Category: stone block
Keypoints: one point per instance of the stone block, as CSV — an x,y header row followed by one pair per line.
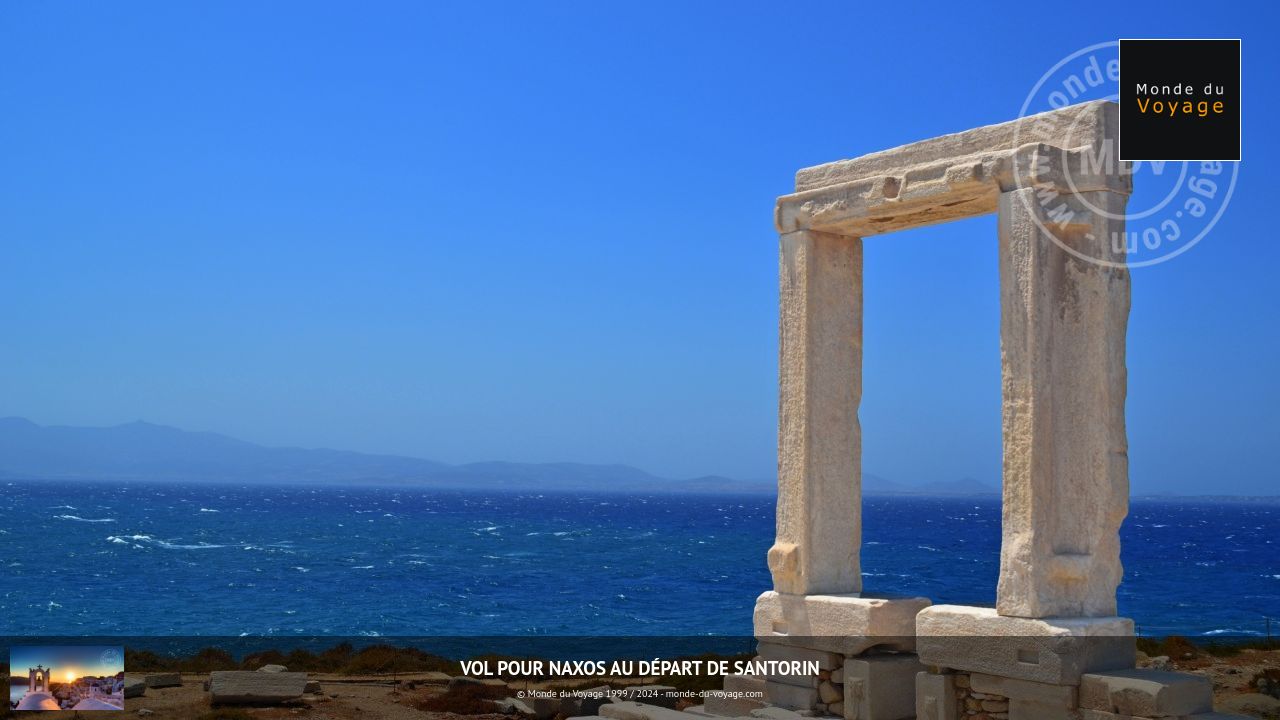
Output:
x,y
790,697
881,687
744,684
464,681
936,697
513,706
239,687
727,705
164,680
1056,651
742,695
1146,693
592,698
313,687
545,708
135,687
1036,710
841,624
1059,695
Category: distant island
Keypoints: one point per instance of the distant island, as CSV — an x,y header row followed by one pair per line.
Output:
x,y
141,451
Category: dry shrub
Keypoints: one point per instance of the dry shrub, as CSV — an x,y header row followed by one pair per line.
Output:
x,y
463,700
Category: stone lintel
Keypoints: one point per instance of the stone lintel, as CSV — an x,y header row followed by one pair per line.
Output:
x,y
1085,124
845,624
1056,651
949,189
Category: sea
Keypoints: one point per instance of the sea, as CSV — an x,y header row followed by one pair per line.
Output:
x,y
137,559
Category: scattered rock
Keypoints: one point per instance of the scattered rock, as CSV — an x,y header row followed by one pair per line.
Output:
x,y
776,713
593,698
464,681
313,687
143,712
273,668
236,687
512,706
545,708
1160,662
1254,704
1267,682
164,680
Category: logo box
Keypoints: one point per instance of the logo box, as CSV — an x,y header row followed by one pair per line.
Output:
x,y
1180,100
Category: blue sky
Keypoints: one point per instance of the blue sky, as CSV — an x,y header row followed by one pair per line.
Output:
x,y
543,231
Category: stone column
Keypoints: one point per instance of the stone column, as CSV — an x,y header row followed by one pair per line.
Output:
x,y
1062,347
819,515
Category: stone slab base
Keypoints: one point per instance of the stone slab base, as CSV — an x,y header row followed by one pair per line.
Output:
x,y
1057,651
1147,693
843,624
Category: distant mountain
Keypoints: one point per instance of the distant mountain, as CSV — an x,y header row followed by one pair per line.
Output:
x,y
144,451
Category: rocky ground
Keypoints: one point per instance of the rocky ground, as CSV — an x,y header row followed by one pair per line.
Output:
x,y
1246,682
